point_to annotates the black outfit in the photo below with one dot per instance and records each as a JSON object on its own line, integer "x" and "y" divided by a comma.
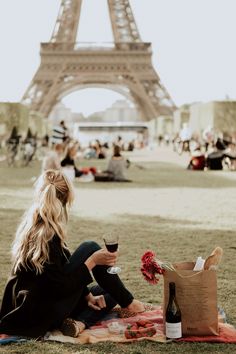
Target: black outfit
{"x": 68, "y": 161}
{"x": 214, "y": 160}
{"x": 36, "y": 303}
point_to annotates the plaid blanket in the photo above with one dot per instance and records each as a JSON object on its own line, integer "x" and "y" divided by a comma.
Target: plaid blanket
{"x": 101, "y": 331}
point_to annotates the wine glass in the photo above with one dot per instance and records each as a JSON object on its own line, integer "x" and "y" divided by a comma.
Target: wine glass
{"x": 111, "y": 242}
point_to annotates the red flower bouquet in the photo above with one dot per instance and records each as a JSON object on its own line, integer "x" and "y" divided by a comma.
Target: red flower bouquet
{"x": 152, "y": 267}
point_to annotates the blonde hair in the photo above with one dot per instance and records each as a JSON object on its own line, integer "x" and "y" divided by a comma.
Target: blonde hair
{"x": 46, "y": 217}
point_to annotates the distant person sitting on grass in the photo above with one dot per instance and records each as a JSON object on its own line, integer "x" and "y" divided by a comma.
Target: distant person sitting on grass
{"x": 68, "y": 163}
{"x": 116, "y": 168}
{"x": 48, "y": 287}
{"x": 118, "y": 165}
{"x": 70, "y": 169}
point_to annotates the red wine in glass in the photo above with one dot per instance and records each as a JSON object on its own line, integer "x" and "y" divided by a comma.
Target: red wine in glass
{"x": 112, "y": 247}
{"x": 111, "y": 242}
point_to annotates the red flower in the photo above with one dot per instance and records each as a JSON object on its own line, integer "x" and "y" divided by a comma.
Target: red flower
{"x": 150, "y": 267}
{"x": 148, "y": 257}
{"x": 149, "y": 276}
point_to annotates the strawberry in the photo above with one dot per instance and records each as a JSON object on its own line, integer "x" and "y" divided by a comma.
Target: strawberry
{"x": 134, "y": 327}
{"x": 151, "y": 332}
{"x": 139, "y": 335}
{"x": 141, "y": 328}
{"x": 141, "y": 322}
{"x": 127, "y": 334}
{"x": 149, "y": 325}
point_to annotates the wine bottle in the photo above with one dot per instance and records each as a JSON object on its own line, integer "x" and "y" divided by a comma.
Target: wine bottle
{"x": 173, "y": 315}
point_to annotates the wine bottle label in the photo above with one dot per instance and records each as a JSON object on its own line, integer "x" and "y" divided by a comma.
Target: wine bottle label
{"x": 173, "y": 330}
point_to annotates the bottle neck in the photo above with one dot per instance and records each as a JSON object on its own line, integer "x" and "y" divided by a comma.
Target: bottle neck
{"x": 172, "y": 289}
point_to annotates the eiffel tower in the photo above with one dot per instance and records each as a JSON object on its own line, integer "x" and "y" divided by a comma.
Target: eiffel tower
{"x": 125, "y": 67}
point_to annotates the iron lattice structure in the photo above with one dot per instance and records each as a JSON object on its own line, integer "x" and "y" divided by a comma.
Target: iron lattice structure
{"x": 124, "y": 66}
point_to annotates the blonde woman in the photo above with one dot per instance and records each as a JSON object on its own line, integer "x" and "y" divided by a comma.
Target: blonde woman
{"x": 48, "y": 286}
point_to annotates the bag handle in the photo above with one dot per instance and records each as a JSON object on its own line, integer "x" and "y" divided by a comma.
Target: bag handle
{"x": 189, "y": 276}
{"x": 170, "y": 267}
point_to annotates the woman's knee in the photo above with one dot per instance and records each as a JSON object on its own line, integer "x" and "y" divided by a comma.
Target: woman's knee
{"x": 91, "y": 245}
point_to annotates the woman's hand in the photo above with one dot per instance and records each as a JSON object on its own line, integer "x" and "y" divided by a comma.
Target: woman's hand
{"x": 96, "y": 302}
{"x": 101, "y": 257}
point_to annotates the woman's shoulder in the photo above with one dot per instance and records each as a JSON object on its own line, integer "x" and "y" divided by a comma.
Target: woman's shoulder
{"x": 57, "y": 247}
{"x": 57, "y": 240}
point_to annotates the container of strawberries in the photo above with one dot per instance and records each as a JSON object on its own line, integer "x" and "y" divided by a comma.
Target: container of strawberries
{"x": 139, "y": 329}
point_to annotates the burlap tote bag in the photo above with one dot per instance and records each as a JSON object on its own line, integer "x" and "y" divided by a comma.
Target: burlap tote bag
{"x": 196, "y": 294}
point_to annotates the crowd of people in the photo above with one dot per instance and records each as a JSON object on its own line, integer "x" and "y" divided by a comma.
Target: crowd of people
{"x": 60, "y": 152}
{"x": 64, "y": 157}
{"x": 210, "y": 150}
{"x": 213, "y": 150}
{"x": 63, "y": 153}
{"x": 26, "y": 147}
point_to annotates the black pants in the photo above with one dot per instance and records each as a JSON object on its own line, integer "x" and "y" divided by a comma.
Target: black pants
{"x": 108, "y": 285}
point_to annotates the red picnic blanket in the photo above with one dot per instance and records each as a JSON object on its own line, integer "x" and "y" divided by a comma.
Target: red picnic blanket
{"x": 101, "y": 332}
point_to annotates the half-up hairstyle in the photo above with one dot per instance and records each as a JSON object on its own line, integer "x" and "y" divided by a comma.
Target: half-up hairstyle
{"x": 46, "y": 217}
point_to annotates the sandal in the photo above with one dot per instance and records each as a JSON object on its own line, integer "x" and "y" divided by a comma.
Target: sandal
{"x": 125, "y": 313}
{"x": 71, "y": 328}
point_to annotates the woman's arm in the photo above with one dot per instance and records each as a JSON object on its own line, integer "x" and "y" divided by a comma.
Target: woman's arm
{"x": 57, "y": 278}
{"x": 96, "y": 302}
{"x": 101, "y": 257}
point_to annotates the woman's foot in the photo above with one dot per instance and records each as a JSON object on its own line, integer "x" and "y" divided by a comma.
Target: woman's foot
{"x": 136, "y": 306}
{"x": 72, "y": 328}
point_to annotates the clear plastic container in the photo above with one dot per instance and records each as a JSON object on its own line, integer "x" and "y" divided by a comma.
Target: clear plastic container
{"x": 116, "y": 328}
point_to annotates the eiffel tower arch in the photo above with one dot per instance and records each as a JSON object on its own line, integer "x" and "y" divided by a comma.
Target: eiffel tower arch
{"x": 124, "y": 66}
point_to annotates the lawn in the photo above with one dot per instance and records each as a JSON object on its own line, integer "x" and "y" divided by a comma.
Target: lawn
{"x": 171, "y": 231}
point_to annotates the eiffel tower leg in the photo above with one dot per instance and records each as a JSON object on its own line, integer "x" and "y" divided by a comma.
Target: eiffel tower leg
{"x": 43, "y": 90}
{"x": 148, "y": 93}
{"x": 35, "y": 93}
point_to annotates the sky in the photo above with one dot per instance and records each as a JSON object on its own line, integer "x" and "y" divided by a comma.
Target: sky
{"x": 193, "y": 43}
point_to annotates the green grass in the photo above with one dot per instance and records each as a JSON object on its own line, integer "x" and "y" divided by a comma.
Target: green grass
{"x": 172, "y": 239}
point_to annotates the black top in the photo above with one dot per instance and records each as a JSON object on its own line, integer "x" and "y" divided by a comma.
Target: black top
{"x": 67, "y": 161}
{"x": 35, "y": 303}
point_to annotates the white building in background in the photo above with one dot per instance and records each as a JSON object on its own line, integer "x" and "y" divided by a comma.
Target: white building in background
{"x": 160, "y": 126}
{"x": 219, "y": 115}
{"x": 121, "y": 119}
{"x": 61, "y": 112}
{"x": 108, "y": 132}
{"x": 96, "y": 126}
{"x": 181, "y": 118}
{"x": 121, "y": 111}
